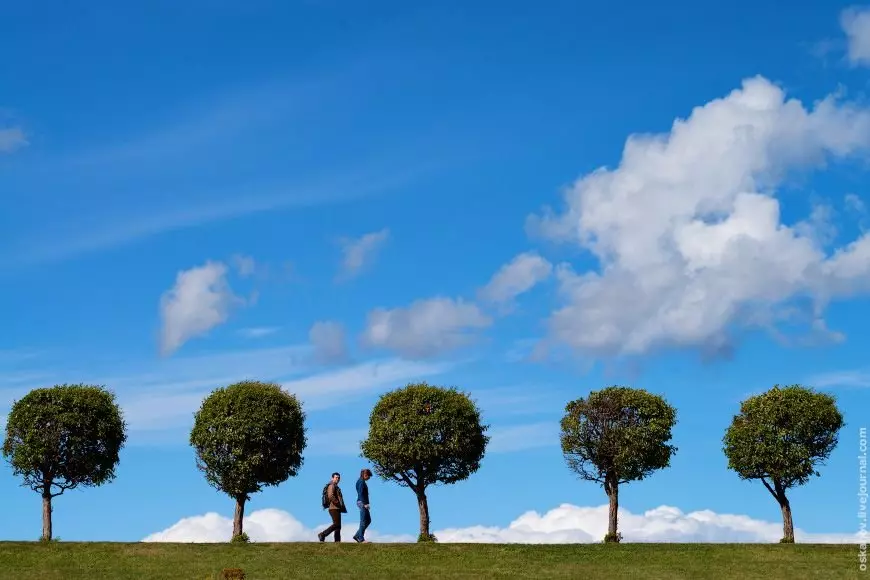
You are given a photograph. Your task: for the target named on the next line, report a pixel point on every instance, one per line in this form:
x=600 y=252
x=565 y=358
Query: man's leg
x=336 y=523
x=331 y=528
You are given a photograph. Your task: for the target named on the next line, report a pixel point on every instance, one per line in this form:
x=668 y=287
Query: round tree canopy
x=620 y=431
x=70 y=434
x=247 y=436
x=423 y=434
x=783 y=434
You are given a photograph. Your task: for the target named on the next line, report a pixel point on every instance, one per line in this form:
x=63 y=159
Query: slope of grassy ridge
x=71 y=561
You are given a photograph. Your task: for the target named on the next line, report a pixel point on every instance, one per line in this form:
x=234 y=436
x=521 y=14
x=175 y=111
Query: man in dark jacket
x=336 y=508
x=362 y=502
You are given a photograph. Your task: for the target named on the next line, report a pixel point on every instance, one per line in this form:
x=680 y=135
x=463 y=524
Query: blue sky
x=528 y=202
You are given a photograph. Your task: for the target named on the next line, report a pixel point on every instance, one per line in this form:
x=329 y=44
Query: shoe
x=358 y=541
x=320 y=537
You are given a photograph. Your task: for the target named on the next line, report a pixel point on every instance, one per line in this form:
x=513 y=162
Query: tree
x=63 y=437
x=781 y=437
x=615 y=436
x=422 y=435
x=247 y=436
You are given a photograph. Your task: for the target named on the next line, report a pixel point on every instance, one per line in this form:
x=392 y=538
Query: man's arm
x=330 y=494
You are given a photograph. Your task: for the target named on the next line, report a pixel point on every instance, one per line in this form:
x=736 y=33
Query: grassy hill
x=70 y=561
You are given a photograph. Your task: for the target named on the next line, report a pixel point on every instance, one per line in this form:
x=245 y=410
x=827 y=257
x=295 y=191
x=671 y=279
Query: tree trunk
x=424 y=513
x=611 y=486
x=785 y=506
x=787 y=523
x=46 y=516
x=239 y=516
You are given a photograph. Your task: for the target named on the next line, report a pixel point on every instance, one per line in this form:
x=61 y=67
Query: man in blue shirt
x=362 y=502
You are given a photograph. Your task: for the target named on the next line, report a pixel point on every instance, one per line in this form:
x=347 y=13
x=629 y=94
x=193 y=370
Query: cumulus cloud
x=562 y=525
x=855 y=22
x=200 y=300
x=516 y=277
x=425 y=328
x=688 y=235
x=329 y=341
x=267 y=525
x=12 y=139
x=359 y=253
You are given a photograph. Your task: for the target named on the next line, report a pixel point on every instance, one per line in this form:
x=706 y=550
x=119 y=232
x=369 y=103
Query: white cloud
x=425 y=328
x=12 y=139
x=259 y=331
x=856 y=24
x=568 y=523
x=266 y=525
x=516 y=277
x=200 y=300
x=329 y=341
x=688 y=235
x=361 y=253
x=562 y=525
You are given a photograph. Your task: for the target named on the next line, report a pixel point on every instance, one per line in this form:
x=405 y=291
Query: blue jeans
x=365 y=519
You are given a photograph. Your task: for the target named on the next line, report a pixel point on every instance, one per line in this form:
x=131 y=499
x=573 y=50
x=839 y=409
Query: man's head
x=336 y=477
x=365 y=474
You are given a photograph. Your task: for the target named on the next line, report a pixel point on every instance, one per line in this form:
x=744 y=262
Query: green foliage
x=421 y=435
x=783 y=435
x=242 y=538
x=617 y=432
x=247 y=436
x=63 y=437
x=424 y=538
x=613 y=538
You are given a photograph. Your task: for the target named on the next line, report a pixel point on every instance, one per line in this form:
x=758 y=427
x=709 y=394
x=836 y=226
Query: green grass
x=69 y=561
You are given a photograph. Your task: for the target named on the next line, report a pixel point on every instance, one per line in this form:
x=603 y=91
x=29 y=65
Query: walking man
x=362 y=502
x=334 y=502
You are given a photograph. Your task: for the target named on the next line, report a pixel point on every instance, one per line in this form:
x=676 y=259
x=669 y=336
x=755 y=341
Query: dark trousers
x=336 y=525
x=365 y=520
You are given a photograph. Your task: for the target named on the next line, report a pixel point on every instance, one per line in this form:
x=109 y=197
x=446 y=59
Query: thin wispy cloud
x=12 y=139
x=320 y=391
x=329 y=340
x=259 y=331
x=513 y=438
x=335 y=441
x=119 y=230
x=159 y=398
x=160 y=394
x=210 y=123
x=847 y=378
x=360 y=253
